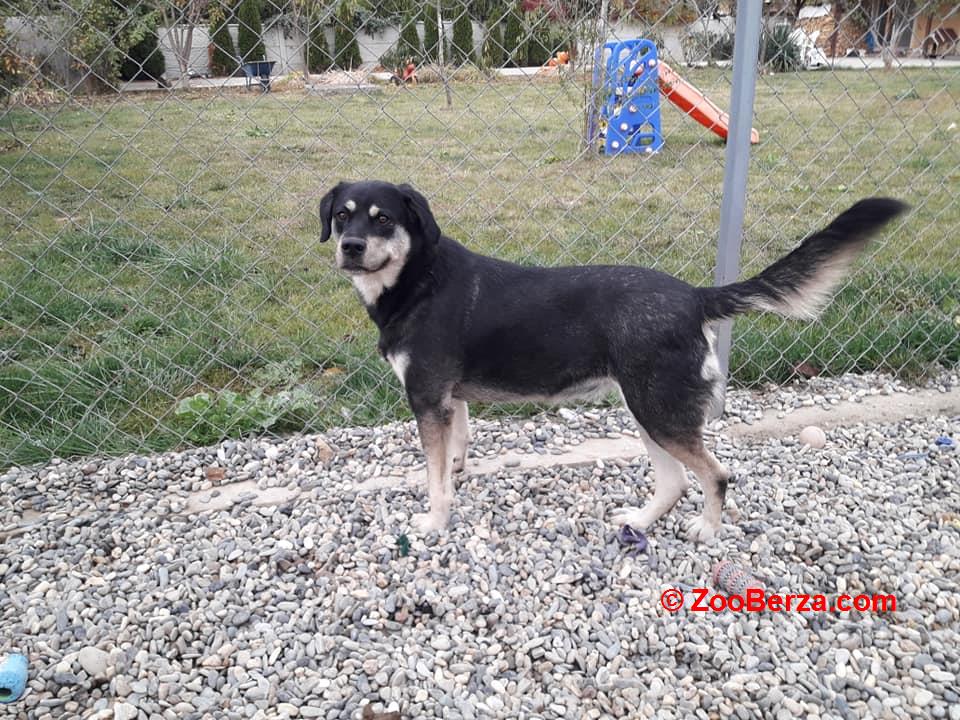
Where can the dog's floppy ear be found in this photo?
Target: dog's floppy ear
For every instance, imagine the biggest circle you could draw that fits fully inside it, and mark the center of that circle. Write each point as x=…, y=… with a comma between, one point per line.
x=420, y=209
x=326, y=210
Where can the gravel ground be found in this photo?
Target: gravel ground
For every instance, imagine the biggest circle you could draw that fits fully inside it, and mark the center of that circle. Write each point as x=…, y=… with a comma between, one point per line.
x=528, y=607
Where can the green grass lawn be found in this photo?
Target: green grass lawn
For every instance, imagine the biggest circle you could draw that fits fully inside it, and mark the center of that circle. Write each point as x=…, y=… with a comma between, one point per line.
x=157, y=247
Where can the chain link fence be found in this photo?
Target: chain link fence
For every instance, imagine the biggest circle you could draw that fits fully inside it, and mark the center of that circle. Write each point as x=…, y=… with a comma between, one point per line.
x=161, y=280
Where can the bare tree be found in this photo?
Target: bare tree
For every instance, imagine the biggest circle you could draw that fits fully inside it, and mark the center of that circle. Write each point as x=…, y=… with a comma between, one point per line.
x=180, y=17
x=705, y=9
x=302, y=14
x=838, y=13
x=888, y=20
x=442, y=67
x=592, y=89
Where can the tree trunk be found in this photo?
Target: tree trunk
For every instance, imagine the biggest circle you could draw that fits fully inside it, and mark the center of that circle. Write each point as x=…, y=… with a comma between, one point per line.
x=886, y=53
x=897, y=22
x=834, y=36
x=180, y=22
x=443, y=70
x=594, y=86
x=182, y=41
x=187, y=48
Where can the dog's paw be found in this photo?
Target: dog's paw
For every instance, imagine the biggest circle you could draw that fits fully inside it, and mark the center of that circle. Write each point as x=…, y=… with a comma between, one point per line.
x=702, y=530
x=425, y=523
x=459, y=463
x=637, y=518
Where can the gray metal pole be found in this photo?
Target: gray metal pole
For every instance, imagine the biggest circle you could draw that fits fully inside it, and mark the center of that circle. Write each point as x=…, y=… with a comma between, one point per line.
x=745, y=52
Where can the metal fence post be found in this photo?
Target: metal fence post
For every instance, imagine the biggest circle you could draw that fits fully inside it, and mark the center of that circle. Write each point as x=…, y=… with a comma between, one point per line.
x=737, y=160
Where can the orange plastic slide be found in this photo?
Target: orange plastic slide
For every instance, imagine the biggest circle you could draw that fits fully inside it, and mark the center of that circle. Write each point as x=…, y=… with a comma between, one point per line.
x=695, y=104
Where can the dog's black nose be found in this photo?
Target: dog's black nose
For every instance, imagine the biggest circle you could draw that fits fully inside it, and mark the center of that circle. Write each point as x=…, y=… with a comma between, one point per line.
x=353, y=247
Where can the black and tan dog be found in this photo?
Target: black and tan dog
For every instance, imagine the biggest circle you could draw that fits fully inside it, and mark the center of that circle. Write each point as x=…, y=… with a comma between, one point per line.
x=459, y=327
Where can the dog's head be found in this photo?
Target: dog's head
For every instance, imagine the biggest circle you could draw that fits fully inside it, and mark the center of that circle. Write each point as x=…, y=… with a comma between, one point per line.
x=376, y=226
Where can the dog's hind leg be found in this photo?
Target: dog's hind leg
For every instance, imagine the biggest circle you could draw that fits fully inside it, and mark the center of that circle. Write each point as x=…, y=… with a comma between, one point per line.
x=670, y=484
x=672, y=411
x=435, y=428
x=459, y=436
x=713, y=477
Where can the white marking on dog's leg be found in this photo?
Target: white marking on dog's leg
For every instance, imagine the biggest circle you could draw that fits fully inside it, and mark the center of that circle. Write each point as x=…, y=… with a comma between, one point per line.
x=434, y=436
x=400, y=362
x=374, y=211
x=459, y=436
x=350, y=205
x=670, y=484
x=710, y=370
x=711, y=367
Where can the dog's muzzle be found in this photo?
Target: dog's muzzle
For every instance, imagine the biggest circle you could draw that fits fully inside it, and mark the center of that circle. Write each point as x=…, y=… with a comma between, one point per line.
x=353, y=248
x=351, y=254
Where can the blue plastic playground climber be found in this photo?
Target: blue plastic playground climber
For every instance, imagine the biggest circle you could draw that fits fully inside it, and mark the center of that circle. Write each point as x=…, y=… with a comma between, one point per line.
x=630, y=114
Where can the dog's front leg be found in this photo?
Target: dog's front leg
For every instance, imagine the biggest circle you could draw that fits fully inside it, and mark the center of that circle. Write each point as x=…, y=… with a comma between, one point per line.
x=435, y=425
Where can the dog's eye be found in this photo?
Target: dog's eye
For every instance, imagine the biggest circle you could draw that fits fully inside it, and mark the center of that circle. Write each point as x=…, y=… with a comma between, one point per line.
x=342, y=215
x=382, y=219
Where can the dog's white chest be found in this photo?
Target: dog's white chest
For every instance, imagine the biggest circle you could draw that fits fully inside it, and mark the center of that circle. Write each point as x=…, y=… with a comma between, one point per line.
x=369, y=286
x=399, y=361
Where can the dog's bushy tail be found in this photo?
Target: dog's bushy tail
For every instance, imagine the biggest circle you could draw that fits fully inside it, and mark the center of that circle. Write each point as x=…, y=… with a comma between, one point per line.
x=800, y=284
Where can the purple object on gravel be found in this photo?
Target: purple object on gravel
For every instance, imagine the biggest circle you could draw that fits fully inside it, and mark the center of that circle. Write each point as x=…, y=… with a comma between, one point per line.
x=633, y=539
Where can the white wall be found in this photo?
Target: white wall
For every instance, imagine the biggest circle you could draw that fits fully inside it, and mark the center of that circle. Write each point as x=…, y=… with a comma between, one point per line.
x=287, y=52
x=286, y=47
x=45, y=39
